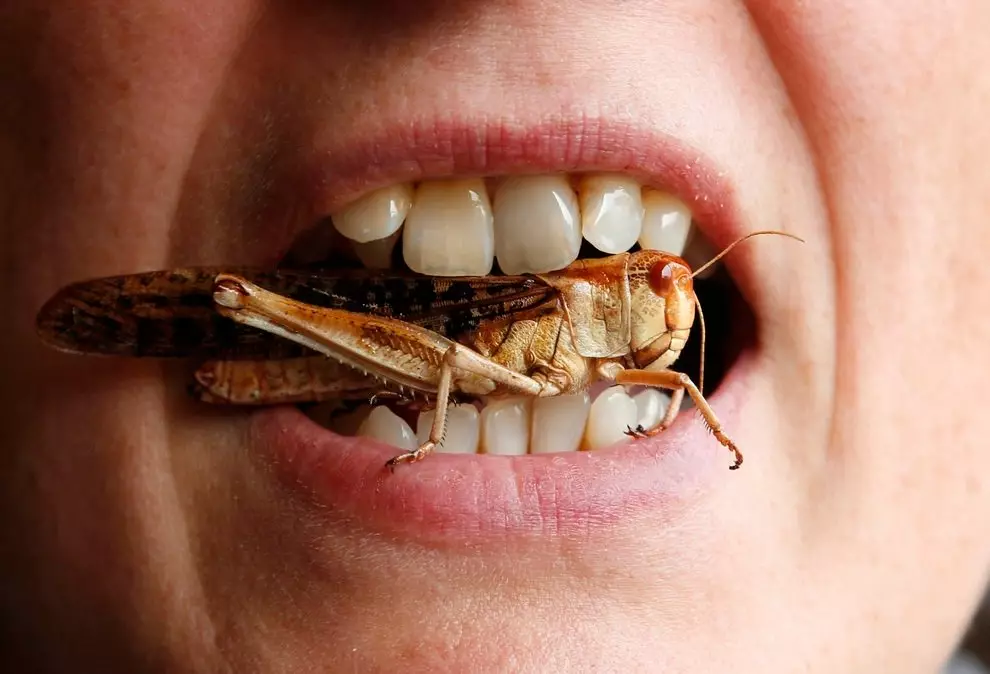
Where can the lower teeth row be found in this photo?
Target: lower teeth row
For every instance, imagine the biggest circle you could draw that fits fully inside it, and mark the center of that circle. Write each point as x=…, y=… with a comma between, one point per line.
x=515, y=426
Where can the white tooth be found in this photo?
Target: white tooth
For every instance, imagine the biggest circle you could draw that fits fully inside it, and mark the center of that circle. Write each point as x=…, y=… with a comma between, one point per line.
x=666, y=222
x=698, y=251
x=449, y=230
x=377, y=254
x=463, y=429
x=385, y=425
x=651, y=405
x=505, y=426
x=611, y=212
x=376, y=215
x=537, y=224
x=558, y=423
x=610, y=415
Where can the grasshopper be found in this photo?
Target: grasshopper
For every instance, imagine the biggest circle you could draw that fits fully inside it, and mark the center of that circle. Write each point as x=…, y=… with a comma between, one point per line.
x=623, y=318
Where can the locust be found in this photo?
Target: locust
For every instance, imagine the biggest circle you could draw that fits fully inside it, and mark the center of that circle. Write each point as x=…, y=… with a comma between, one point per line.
x=290, y=336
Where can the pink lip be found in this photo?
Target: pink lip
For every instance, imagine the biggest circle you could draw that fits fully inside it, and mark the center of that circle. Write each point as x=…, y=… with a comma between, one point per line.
x=453, y=497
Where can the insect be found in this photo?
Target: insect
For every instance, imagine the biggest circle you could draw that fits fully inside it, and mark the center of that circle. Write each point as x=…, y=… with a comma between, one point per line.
x=623, y=318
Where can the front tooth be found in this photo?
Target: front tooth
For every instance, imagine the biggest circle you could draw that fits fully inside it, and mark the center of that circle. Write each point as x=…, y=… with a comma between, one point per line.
x=611, y=212
x=505, y=426
x=537, y=224
x=385, y=425
x=376, y=215
x=462, y=433
x=377, y=254
x=610, y=415
x=651, y=405
x=558, y=423
x=449, y=230
x=666, y=222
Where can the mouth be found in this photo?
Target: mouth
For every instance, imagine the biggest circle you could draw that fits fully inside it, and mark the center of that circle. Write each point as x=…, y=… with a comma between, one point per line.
x=525, y=466
x=519, y=225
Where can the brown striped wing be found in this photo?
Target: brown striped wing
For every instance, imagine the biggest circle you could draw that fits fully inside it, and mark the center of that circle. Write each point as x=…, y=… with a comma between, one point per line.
x=170, y=314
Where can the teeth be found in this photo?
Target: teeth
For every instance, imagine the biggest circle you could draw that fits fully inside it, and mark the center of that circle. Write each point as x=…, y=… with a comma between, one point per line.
x=611, y=212
x=558, y=423
x=377, y=254
x=384, y=425
x=537, y=224
x=376, y=215
x=610, y=415
x=533, y=224
x=651, y=405
x=449, y=230
x=505, y=426
x=462, y=433
x=666, y=223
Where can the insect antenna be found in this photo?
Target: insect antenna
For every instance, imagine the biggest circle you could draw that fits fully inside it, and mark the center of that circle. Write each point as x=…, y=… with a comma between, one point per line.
x=697, y=302
x=737, y=242
x=701, y=367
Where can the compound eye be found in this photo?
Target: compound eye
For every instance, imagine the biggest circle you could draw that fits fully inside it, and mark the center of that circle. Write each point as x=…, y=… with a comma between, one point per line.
x=666, y=276
x=662, y=278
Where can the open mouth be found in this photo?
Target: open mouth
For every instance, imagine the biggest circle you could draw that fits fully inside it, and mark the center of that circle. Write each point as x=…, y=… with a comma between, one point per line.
x=509, y=225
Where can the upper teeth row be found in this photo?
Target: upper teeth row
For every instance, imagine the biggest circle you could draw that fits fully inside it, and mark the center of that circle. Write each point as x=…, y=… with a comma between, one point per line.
x=530, y=224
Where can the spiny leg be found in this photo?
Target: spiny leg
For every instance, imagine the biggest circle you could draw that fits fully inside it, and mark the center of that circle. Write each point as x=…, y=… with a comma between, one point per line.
x=439, y=426
x=678, y=381
x=465, y=360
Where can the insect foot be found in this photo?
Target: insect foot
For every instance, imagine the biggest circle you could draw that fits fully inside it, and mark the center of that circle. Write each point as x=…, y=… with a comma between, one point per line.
x=228, y=292
x=417, y=454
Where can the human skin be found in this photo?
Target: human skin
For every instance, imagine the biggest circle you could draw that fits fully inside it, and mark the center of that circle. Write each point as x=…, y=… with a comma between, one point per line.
x=141, y=532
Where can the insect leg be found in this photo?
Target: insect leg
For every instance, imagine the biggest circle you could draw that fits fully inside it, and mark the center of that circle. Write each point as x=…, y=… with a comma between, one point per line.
x=678, y=382
x=465, y=360
x=676, y=399
x=439, y=427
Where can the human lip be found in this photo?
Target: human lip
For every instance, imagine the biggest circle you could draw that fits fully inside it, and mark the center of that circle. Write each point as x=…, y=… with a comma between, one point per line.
x=457, y=496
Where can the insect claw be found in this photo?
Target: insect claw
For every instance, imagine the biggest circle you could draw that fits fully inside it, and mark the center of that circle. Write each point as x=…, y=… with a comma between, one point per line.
x=417, y=454
x=639, y=432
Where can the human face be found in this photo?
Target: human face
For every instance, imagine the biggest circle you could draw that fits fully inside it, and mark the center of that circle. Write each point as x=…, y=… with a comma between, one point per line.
x=145, y=530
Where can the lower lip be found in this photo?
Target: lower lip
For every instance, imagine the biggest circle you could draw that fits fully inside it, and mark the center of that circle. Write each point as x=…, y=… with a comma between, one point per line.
x=470, y=497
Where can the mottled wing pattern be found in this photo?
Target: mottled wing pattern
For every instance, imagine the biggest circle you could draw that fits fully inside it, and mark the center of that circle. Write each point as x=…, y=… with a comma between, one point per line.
x=170, y=314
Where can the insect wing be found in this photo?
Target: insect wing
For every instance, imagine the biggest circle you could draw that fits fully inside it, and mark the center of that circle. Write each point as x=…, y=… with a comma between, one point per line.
x=171, y=314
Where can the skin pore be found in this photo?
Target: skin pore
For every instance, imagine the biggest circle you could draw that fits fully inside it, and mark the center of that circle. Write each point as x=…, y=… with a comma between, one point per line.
x=142, y=532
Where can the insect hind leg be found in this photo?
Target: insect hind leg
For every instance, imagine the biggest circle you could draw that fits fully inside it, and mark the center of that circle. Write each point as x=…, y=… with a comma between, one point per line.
x=462, y=359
